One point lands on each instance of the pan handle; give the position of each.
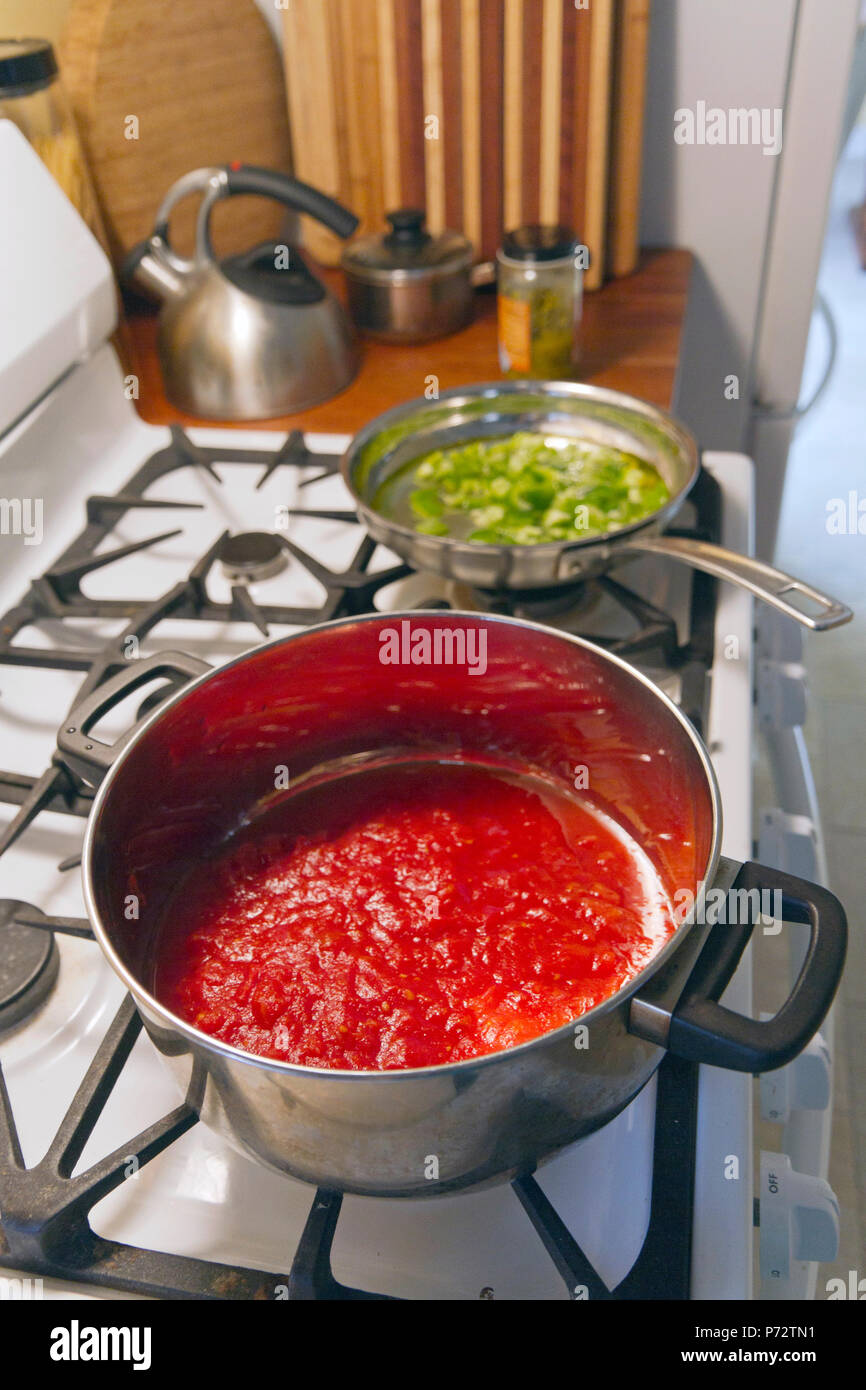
(702, 1030)
(767, 583)
(88, 756)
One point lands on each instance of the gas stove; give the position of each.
(121, 539)
(213, 541)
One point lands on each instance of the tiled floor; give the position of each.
(828, 460)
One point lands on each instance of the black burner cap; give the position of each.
(253, 555)
(539, 604)
(29, 962)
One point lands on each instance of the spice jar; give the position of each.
(540, 296)
(32, 97)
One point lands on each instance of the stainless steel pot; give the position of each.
(322, 702)
(494, 409)
(409, 286)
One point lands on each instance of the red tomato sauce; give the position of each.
(408, 917)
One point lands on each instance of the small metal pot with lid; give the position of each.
(409, 286)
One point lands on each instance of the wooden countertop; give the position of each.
(630, 341)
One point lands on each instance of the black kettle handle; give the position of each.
(225, 181)
(292, 193)
(702, 1030)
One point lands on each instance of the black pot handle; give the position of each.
(90, 758)
(703, 1030)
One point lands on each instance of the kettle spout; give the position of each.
(147, 268)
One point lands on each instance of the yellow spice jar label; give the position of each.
(515, 333)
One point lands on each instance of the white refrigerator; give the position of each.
(752, 211)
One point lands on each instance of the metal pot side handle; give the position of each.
(482, 274)
(89, 757)
(764, 581)
(702, 1030)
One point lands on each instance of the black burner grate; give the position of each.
(44, 1210)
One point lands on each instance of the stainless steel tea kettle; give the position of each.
(255, 335)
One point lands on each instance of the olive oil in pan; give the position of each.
(527, 489)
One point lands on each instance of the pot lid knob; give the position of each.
(407, 229)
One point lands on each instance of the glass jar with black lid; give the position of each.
(540, 293)
(32, 97)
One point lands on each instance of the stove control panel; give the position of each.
(799, 1217)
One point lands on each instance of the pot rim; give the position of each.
(579, 390)
(226, 1050)
(382, 278)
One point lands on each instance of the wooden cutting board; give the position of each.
(203, 82)
(631, 40)
(488, 113)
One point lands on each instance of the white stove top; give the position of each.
(199, 1197)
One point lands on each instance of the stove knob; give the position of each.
(781, 695)
(803, 1084)
(780, 638)
(789, 841)
(799, 1217)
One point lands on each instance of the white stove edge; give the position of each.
(61, 302)
(723, 1234)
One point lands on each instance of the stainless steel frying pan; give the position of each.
(561, 409)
